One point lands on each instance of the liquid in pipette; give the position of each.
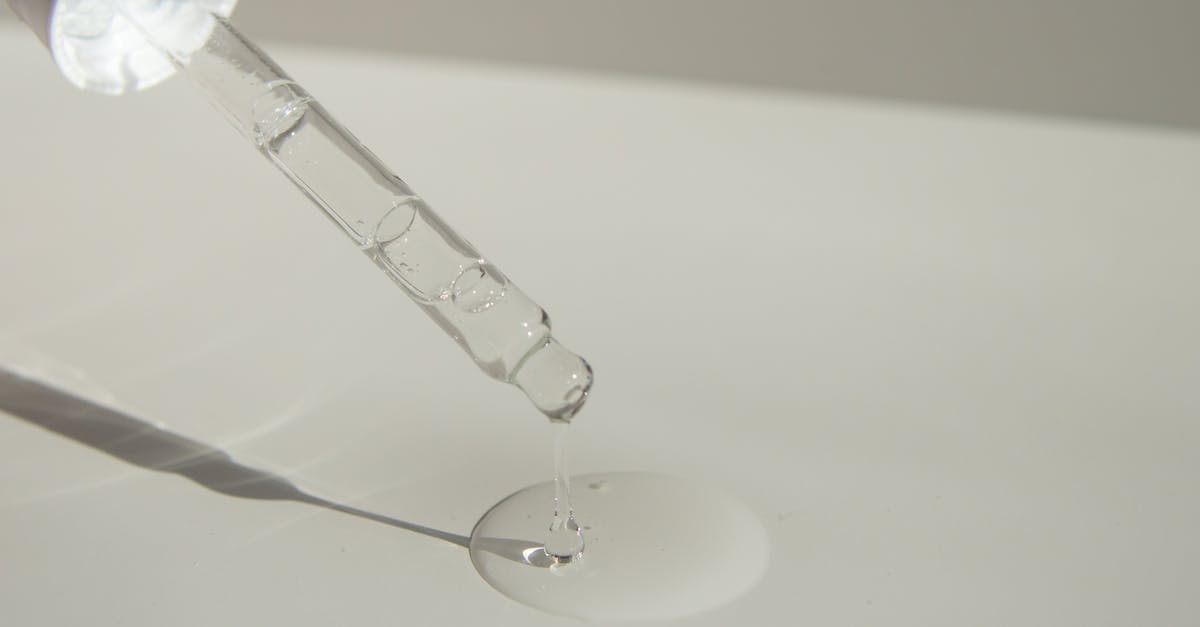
(505, 332)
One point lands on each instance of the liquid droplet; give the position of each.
(564, 542)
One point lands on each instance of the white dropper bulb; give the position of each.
(97, 47)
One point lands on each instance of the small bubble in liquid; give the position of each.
(278, 110)
(396, 222)
(477, 288)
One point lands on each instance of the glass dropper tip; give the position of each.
(556, 380)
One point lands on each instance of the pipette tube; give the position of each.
(504, 331)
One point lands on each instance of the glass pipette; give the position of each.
(503, 330)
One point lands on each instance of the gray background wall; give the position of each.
(1124, 60)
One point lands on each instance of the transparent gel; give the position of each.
(657, 548)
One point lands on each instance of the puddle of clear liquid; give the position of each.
(658, 547)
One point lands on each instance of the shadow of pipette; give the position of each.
(143, 444)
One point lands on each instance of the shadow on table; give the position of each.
(140, 443)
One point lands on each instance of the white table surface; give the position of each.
(949, 358)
